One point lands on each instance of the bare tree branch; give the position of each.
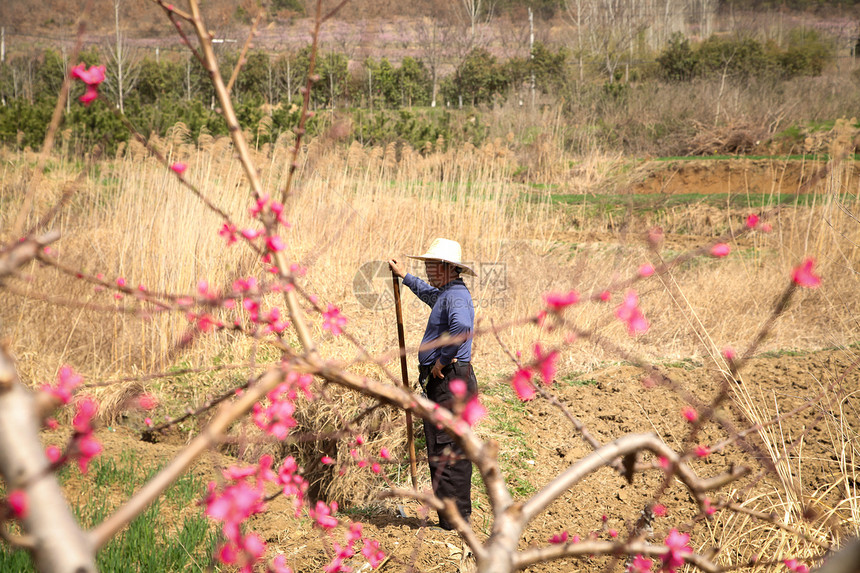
(58, 543)
(22, 252)
(586, 548)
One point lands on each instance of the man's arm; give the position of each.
(422, 290)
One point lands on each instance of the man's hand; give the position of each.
(436, 372)
(397, 267)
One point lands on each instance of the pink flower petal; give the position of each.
(640, 564)
(275, 243)
(803, 275)
(559, 538)
(629, 313)
(89, 96)
(473, 411)
(457, 387)
(720, 250)
(521, 383)
(53, 453)
(690, 413)
(559, 301)
(752, 221)
(17, 501)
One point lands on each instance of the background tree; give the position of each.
(477, 79)
(256, 79)
(160, 80)
(433, 33)
(124, 66)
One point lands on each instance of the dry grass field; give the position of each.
(130, 218)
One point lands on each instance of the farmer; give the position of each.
(452, 314)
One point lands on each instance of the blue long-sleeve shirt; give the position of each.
(452, 313)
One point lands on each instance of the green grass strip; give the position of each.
(149, 544)
(660, 201)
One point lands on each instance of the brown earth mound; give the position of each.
(731, 176)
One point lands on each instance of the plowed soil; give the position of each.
(611, 402)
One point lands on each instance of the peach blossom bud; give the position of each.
(53, 453)
(458, 388)
(752, 221)
(18, 503)
(720, 250)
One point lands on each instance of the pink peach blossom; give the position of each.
(803, 275)
(457, 387)
(53, 453)
(557, 302)
(640, 564)
(752, 221)
(522, 385)
(92, 76)
(333, 320)
(17, 501)
(275, 243)
(372, 553)
(629, 313)
(546, 363)
(795, 566)
(720, 250)
(473, 411)
(559, 538)
(690, 413)
(90, 95)
(323, 515)
(679, 546)
(646, 270)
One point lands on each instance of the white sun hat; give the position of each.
(447, 251)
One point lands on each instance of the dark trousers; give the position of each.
(450, 469)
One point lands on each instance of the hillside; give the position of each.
(52, 18)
